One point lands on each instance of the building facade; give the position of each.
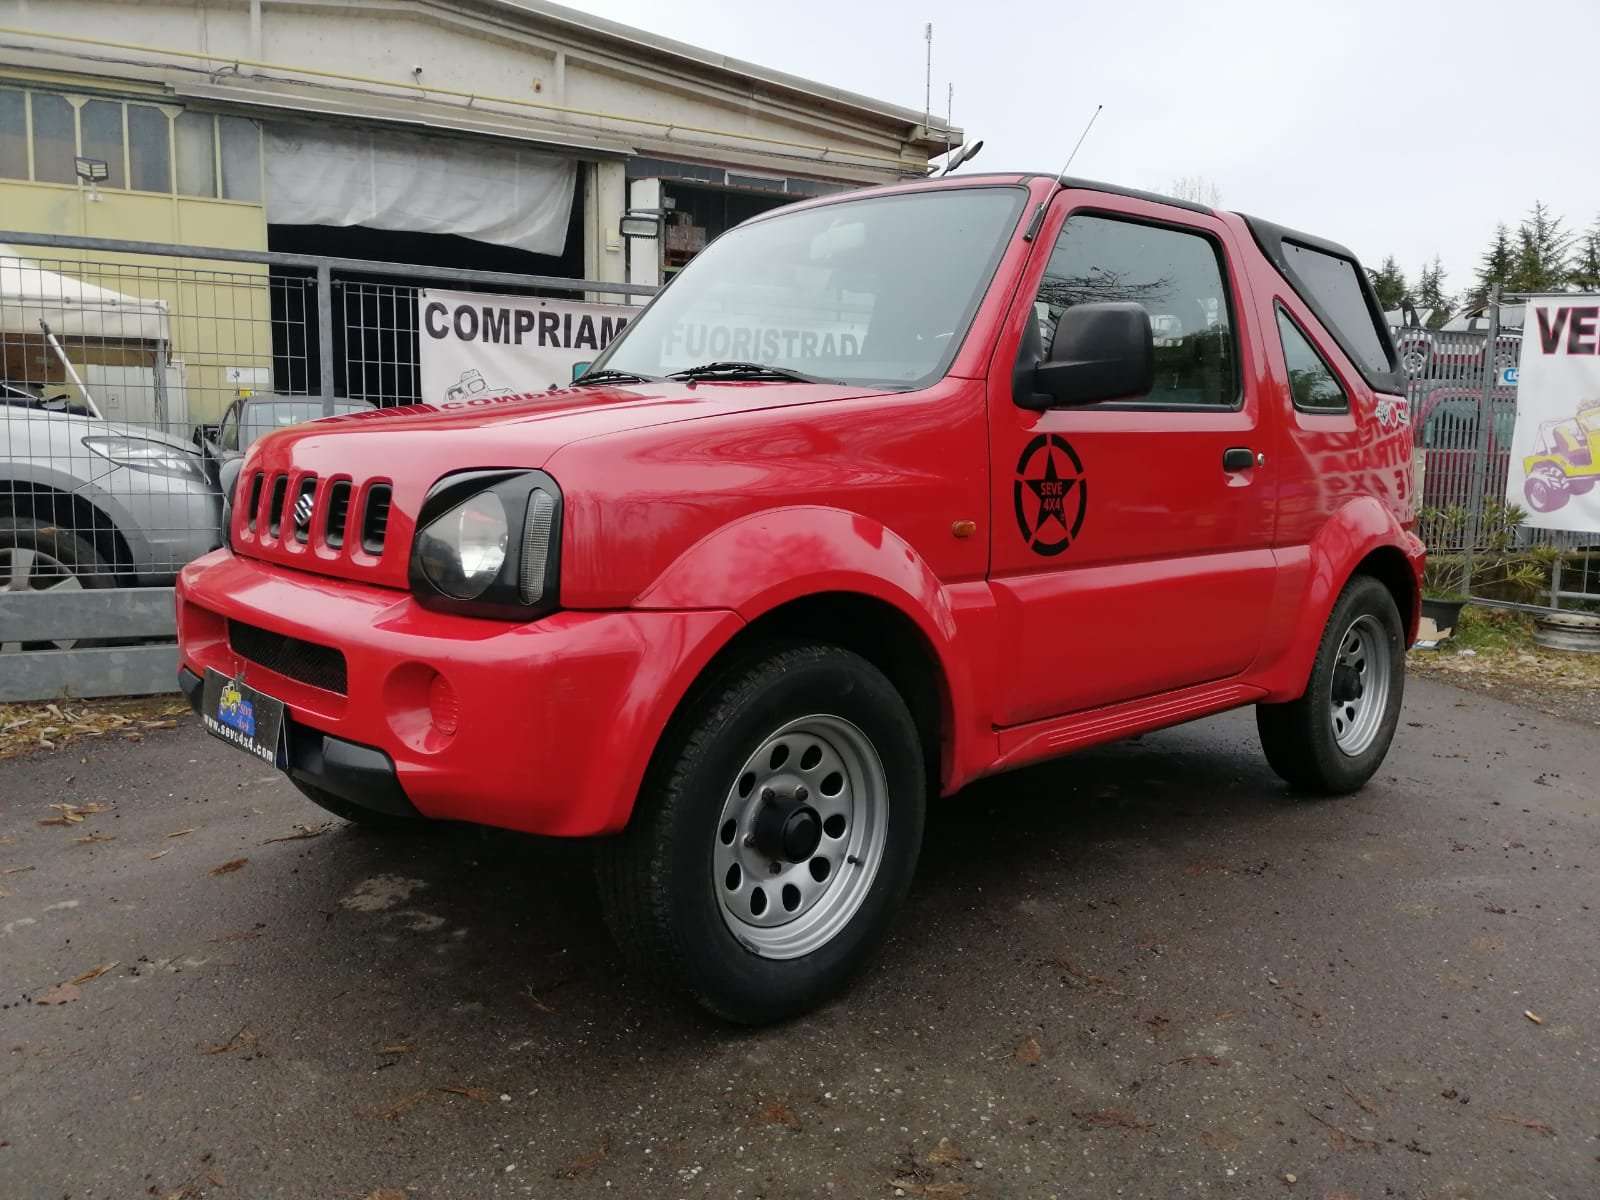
(491, 134)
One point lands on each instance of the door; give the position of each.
(1131, 548)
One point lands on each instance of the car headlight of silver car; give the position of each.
(146, 454)
(488, 544)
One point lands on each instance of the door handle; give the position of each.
(1238, 458)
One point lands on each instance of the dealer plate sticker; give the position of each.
(244, 717)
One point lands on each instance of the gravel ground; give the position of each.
(1142, 971)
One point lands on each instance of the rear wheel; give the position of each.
(40, 556)
(1332, 739)
(775, 837)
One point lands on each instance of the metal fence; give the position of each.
(1462, 389)
(129, 373)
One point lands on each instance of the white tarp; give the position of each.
(30, 292)
(492, 192)
(477, 346)
(1555, 450)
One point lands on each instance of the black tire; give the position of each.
(76, 556)
(365, 817)
(1298, 737)
(656, 877)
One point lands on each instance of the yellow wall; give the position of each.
(220, 312)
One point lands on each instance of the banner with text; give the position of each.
(473, 344)
(1555, 449)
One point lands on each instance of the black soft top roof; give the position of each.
(1271, 238)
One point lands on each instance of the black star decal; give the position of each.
(1052, 492)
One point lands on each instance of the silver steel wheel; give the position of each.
(1360, 685)
(24, 569)
(801, 836)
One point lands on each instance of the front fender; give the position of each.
(755, 565)
(1311, 577)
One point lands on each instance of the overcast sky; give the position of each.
(1395, 126)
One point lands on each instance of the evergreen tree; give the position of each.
(1586, 261)
(1543, 252)
(1389, 281)
(1495, 267)
(1431, 293)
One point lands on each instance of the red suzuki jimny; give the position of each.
(886, 492)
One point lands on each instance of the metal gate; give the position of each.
(1463, 400)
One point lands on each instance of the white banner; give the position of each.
(1555, 451)
(476, 345)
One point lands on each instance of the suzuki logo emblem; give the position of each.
(302, 511)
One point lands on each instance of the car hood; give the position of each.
(523, 429)
(28, 431)
(408, 449)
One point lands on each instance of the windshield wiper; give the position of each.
(732, 369)
(612, 375)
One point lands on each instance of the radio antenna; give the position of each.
(1094, 116)
(1061, 180)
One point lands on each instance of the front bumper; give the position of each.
(360, 775)
(545, 727)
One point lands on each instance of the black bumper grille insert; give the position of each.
(305, 662)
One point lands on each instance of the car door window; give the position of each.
(1176, 275)
(228, 435)
(1312, 383)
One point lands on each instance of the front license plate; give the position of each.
(244, 717)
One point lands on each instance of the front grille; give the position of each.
(306, 662)
(305, 507)
(338, 513)
(280, 488)
(375, 524)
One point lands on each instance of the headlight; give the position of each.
(487, 544)
(144, 454)
(462, 552)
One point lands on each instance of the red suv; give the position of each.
(884, 493)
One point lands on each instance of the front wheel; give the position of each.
(775, 836)
(1333, 738)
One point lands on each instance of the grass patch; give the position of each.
(1491, 631)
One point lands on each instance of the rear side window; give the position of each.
(1336, 290)
(1177, 276)
(1312, 382)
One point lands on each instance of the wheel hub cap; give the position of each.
(787, 829)
(800, 836)
(1359, 689)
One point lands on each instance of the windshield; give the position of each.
(876, 291)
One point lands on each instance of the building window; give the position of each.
(145, 148)
(149, 149)
(55, 139)
(241, 158)
(13, 134)
(101, 127)
(195, 138)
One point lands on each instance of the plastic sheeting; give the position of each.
(497, 193)
(30, 292)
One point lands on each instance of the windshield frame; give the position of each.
(983, 285)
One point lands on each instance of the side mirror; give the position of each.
(1102, 351)
(578, 369)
